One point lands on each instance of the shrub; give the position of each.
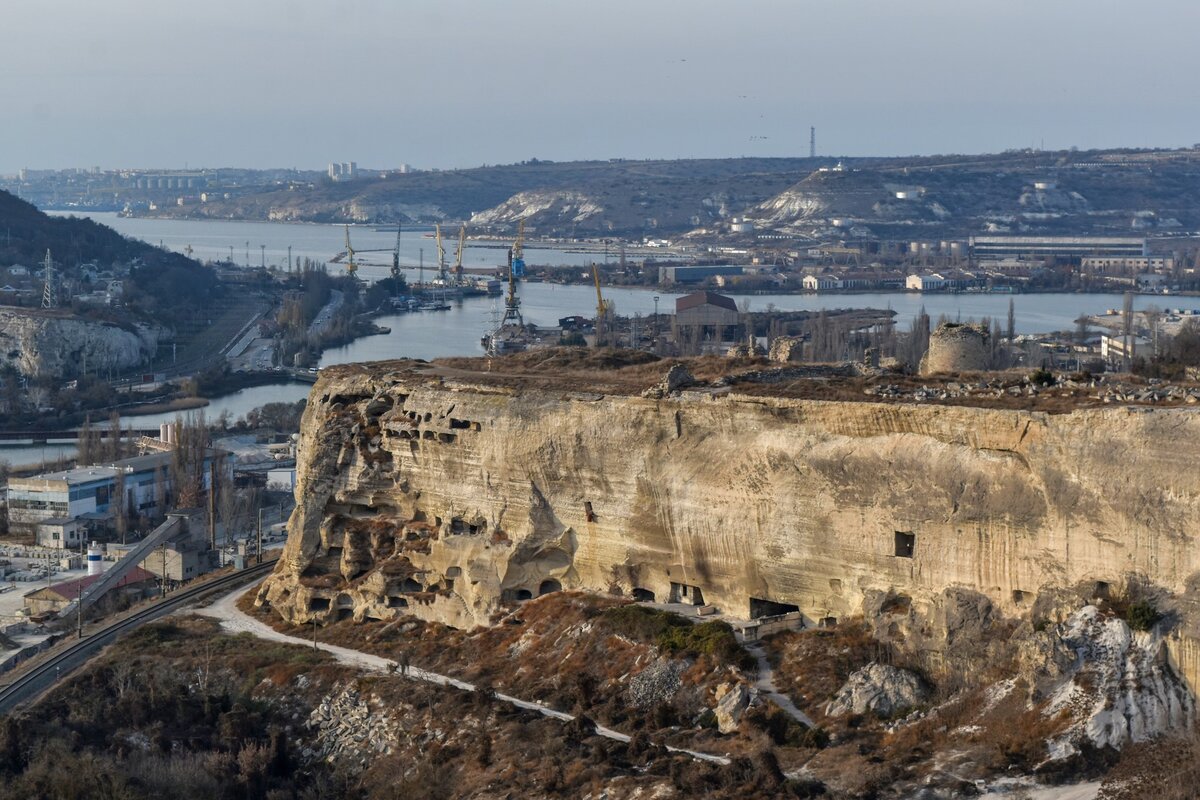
(1142, 615)
(1042, 377)
(674, 634)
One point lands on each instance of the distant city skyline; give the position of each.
(301, 83)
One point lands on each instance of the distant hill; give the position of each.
(578, 197)
(162, 284)
(926, 197)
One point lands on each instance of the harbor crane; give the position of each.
(516, 268)
(441, 255)
(351, 267)
(602, 308)
(458, 267)
(396, 259)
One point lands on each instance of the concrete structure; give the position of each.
(87, 493)
(1118, 349)
(64, 532)
(695, 274)
(1119, 265)
(1060, 248)
(283, 479)
(929, 282)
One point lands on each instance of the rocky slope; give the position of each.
(40, 343)
(442, 496)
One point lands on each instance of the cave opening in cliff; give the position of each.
(769, 608)
(641, 595)
(318, 604)
(549, 585)
(684, 593)
(906, 544)
(397, 602)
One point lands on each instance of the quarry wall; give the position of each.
(441, 498)
(40, 343)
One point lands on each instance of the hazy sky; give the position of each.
(443, 83)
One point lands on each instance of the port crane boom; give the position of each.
(458, 267)
(601, 308)
(441, 255)
(351, 267)
(396, 259)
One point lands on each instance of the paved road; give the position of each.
(327, 311)
(233, 619)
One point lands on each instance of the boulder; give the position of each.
(732, 701)
(878, 689)
(676, 378)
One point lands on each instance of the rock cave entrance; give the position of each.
(549, 585)
(318, 604)
(769, 608)
(641, 595)
(685, 593)
(906, 544)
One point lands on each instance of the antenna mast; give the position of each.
(812, 142)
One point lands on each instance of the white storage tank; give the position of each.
(94, 558)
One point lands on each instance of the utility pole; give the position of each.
(163, 586)
(258, 545)
(247, 255)
(289, 259)
(79, 610)
(812, 142)
(263, 248)
(212, 503)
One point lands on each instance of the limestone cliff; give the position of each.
(442, 495)
(56, 344)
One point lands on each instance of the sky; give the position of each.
(459, 83)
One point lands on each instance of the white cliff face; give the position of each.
(1120, 688)
(56, 344)
(543, 206)
(441, 497)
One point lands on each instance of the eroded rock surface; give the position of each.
(878, 689)
(440, 495)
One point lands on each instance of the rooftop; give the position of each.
(705, 298)
(70, 590)
(72, 477)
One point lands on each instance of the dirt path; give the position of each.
(766, 685)
(233, 619)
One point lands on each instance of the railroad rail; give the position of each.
(42, 676)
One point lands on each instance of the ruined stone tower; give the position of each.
(956, 347)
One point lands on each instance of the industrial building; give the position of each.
(705, 316)
(695, 274)
(1065, 249)
(73, 503)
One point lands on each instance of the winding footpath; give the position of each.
(766, 686)
(234, 620)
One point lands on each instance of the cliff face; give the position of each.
(440, 498)
(40, 344)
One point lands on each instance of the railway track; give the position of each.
(41, 677)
